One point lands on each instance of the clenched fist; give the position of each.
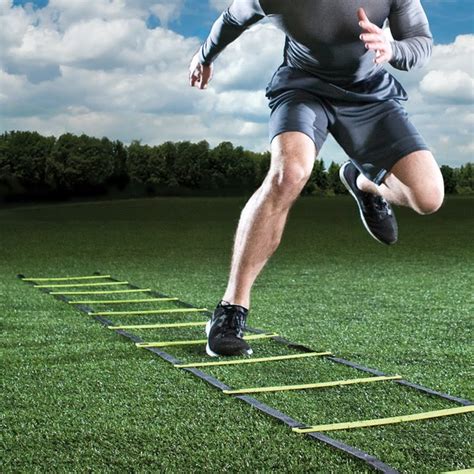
(374, 39)
(199, 74)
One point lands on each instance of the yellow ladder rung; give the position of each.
(151, 311)
(253, 360)
(72, 285)
(335, 383)
(100, 292)
(460, 471)
(196, 341)
(160, 326)
(386, 421)
(92, 277)
(145, 300)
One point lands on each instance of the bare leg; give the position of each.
(415, 181)
(263, 218)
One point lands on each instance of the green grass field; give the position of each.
(77, 397)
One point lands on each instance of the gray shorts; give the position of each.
(374, 134)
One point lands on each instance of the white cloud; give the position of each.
(450, 76)
(449, 85)
(84, 40)
(467, 149)
(243, 66)
(250, 104)
(440, 99)
(167, 11)
(219, 5)
(67, 12)
(94, 67)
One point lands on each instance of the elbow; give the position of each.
(232, 21)
(228, 18)
(430, 49)
(425, 51)
(419, 63)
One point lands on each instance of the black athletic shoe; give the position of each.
(376, 213)
(225, 331)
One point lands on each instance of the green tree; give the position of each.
(191, 160)
(143, 164)
(334, 182)
(137, 163)
(22, 161)
(263, 165)
(317, 182)
(120, 176)
(449, 179)
(465, 179)
(79, 163)
(31, 164)
(153, 167)
(244, 170)
(162, 166)
(219, 168)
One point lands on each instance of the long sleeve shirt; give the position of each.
(322, 38)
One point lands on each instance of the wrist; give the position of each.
(202, 60)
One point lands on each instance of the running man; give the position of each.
(332, 80)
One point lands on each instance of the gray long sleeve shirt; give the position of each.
(322, 38)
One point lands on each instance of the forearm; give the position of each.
(223, 32)
(413, 41)
(239, 16)
(411, 52)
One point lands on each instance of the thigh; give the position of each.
(417, 174)
(293, 152)
(375, 135)
(298, 111)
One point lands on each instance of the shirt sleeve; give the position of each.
(239, 16)
(413, 41)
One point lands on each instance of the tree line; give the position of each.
(33, 166)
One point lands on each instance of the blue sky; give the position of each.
(448, 18)
(120, 69)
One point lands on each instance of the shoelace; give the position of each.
(381, 206)
(234, 322)
(378, 204)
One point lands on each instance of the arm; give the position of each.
(410, 29)
(228, 27)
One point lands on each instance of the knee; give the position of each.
(293, 155)
(286, 183)
(430, 200)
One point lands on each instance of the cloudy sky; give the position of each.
(119, 68)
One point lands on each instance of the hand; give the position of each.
(199, 74)
(374, 39)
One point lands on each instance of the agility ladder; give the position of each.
(54, 285)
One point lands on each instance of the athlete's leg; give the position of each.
(263, 218)
(414, 181)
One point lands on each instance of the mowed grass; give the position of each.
(77, 397)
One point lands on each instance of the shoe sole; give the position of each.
(208, 349)
(210, 352)
(362, 218)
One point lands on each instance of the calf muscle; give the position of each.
(263, 218)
